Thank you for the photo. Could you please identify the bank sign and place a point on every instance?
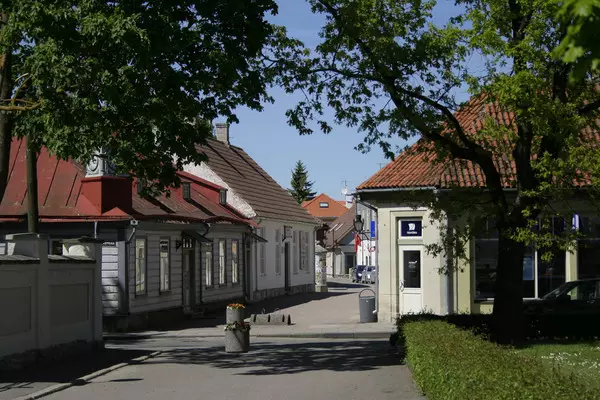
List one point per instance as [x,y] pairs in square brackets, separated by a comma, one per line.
[411,228]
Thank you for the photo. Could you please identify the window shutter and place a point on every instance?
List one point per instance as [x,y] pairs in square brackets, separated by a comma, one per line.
[295,250]
[262,259]
[277,251]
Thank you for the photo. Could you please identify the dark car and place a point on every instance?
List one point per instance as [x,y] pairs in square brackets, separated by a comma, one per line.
[358,273]
[575,297]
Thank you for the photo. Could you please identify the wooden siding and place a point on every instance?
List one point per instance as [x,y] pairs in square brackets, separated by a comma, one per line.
[110,279]
[153,299]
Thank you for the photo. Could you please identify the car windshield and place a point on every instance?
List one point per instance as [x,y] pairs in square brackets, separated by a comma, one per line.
[562,289]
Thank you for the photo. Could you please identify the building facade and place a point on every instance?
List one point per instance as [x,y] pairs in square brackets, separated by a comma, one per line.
[283,248]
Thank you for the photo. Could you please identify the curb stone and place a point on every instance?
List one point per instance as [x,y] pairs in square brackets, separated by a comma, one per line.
[84,379]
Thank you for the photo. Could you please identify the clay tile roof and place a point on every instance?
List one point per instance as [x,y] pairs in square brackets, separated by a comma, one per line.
[60,198]
[415,168]
[341,227]
[333,210]
[252,183]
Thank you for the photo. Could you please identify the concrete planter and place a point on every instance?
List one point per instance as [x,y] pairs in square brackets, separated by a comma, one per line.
[234,315]
[237,341]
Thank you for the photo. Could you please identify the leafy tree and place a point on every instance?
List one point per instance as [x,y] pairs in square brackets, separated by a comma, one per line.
[128,77]
[301,187]
[580,44]
[386,68]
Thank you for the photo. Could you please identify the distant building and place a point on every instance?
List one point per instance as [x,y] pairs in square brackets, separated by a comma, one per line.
[325,208]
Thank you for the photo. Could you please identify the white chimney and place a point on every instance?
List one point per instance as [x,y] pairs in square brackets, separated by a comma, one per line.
[222,132]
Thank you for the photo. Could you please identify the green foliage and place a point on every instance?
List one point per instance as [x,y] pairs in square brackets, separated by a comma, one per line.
[301,189]
[132,77]
[451,363]
[580,44]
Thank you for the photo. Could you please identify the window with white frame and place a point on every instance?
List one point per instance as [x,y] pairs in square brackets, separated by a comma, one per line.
[278,251]
[235,261]
[207,251]
[222,261]
[165,265]
[262,259]
[295,251]
[540,276]
[140,266]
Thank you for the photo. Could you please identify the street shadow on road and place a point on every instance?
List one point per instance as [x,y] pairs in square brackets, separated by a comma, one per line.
[44,373]
[281,359]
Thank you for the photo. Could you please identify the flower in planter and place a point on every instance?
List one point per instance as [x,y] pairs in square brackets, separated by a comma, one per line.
[235,306]
[244,326]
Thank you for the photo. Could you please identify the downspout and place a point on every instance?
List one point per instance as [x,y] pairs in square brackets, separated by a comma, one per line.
[256,258]
[127,256]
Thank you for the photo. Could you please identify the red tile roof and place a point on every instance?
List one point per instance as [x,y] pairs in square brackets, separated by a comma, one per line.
[266,197]
[334,210]
[61,199]
[415,167]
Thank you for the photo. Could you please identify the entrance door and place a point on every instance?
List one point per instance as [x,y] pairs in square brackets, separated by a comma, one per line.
[411,292]
[188,276]
[286,266]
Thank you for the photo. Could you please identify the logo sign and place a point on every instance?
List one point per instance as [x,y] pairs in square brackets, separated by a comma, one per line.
[373,229]
[411,228]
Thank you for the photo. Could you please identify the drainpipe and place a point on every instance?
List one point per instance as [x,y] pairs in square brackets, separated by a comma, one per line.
[125,306]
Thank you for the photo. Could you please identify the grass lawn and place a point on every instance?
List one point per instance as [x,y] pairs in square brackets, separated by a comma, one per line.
[582,359]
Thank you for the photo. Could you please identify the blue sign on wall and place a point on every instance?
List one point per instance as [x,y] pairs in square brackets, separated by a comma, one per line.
[373,229]
[412,228]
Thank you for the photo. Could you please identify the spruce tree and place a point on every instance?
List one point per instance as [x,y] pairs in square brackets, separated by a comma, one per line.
[302,188]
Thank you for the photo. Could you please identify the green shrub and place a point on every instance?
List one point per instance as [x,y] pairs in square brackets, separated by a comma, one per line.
[452,363]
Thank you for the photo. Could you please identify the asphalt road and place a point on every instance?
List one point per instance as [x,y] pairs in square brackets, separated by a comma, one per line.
[273,369]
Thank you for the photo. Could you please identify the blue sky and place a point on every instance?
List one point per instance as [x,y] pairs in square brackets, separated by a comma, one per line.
[276,147]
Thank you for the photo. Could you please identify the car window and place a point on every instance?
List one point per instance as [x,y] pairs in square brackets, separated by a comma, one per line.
[584,291]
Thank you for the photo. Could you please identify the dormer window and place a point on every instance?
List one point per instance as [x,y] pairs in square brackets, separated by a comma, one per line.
[324,204]
[223,196]
[186,191]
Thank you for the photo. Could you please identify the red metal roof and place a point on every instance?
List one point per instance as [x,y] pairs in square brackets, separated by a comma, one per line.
[415,167]
[61,199]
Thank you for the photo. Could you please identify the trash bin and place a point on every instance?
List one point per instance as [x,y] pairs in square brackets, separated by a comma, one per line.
[366,306]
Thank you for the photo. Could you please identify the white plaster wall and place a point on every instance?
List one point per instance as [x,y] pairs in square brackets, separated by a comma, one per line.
[434,285]
[270,279]
[233,199]
[48,303]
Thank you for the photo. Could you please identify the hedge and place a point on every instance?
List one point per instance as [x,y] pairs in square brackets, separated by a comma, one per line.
[451,363]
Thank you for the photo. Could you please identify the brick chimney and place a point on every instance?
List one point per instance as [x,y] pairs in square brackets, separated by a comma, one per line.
[222,132]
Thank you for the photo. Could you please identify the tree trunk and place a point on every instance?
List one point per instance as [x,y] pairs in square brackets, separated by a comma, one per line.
[32,187]
[508,320]
[5,117]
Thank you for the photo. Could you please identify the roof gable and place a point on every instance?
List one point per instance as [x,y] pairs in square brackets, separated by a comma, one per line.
[266,197]
[316,207]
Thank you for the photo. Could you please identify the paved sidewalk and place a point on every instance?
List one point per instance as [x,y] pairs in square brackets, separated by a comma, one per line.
[314,315]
